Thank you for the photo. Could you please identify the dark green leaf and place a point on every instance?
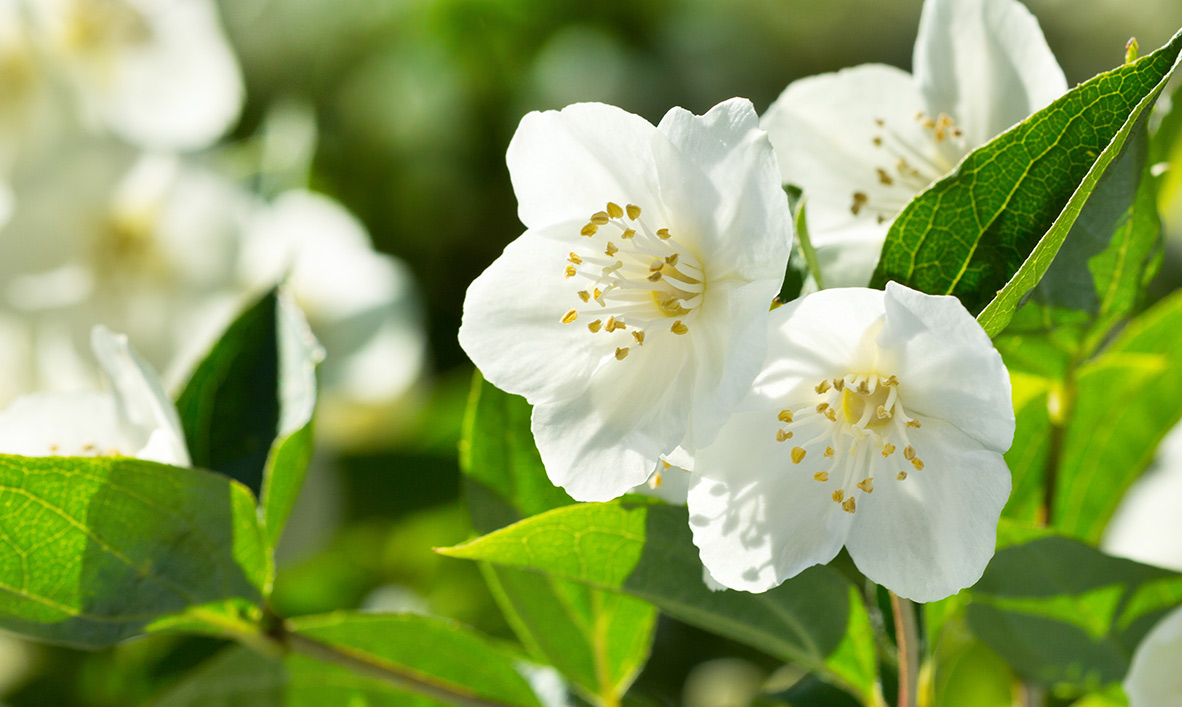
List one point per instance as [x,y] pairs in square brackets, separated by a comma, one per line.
[598,639]
[247,408]
[997,221]
[1062,612]
[815,619]
[431,651]
[100,549]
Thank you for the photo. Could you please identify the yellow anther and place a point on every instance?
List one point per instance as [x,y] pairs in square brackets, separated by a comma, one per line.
[883,413]
[797,455]
[595,326]
[917,463]
[829,452]
[639,336]
[611,249]
[877,141]
[893,380]
[850,505]
[888,449]
[628,234]
[831,414]
[614,210]
[666,464]
[822,407]
[883,177]
[672,259]
[656,480]
[866,485]
[864,386]
[838,495]
[822,386]
[633,211]
[596,294]
[860,201]
[785,416]
[585,295]
[599,218]
[783,435]
[663,234]
[839,384]
[574,258]
[821,476]
[879,122]
[589,230]
[679,328]
[570,317]
[570,272]
[654,277]
[902,475]
[610,325]
[914,423]
[621,353]
[909,452]
[656,265]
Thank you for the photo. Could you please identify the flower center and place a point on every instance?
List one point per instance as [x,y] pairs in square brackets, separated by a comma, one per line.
[859,423]
[634,279]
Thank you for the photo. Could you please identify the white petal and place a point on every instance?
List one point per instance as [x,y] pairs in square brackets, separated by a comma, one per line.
[63,424]
[668,483]
[757,518]
[146,411]
[512,330]
[985,63]
[1154,679]
[721,189]
[1146,526]
[823,129]
[949,369]
[850,255]
[566,165]
[931,535]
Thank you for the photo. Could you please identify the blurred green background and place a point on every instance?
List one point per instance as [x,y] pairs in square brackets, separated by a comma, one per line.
[415,102]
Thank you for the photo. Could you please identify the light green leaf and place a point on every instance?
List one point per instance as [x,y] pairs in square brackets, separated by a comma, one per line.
[420,650]
[101,549]
[600,640]
[247,408]
[1062,612]
[815,619]
[998,220]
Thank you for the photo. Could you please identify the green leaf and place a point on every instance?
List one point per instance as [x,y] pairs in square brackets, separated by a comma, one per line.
[247,408]
[101,549]
[645,549]
[429,651]
[996,222]
[600,640]
[1062,612]
[1126,400]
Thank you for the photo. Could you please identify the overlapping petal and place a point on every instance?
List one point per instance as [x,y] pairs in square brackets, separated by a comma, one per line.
[1154,679]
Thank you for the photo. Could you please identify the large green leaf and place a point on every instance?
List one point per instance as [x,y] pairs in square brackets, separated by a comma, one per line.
[598,639]
[1060,611]
[100,549]
[996,222]
[645,549]
[391,659]
[247,408]
[1125,402]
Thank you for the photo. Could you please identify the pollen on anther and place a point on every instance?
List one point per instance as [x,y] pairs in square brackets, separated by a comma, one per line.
[663,234]
[595,326]
[829,452]
[830,414]
[672,259]
[850,505]
[883,413]
[621,353]
[570,272]
[585,295]
[914,423]
[838,495]
[822,386]
[909,452]
[821,476]
[902,475]
[679,328]
[611,249]
[917,463]
[656,265]
[633,211]
[639,336]
[575,259]
[599,218]
[888,449]
[570,317]
[860,201]
[614,210]
[867,485]
[628,234]
[822,407]
[589,230]
[654,277]
[783,435]
[884,178]
[838,384]
[785,416]
[797,455]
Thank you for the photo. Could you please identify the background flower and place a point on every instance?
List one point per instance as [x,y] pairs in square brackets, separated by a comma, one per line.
[1154,679]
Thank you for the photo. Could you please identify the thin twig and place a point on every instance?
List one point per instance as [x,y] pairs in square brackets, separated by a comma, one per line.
[907,639]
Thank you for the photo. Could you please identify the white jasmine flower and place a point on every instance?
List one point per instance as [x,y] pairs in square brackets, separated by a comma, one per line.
[1145,526]
[1154,679]
[864,141]
[878,423]
[632,312]
[136,418]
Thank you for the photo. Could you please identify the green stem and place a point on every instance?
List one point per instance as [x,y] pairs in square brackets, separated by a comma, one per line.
[907,639]
[806,244]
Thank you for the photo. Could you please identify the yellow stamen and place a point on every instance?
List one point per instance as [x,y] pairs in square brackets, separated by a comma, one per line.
[785,416]
[829,452]
[821,476]
[595,326]
[621,353]
[866,485]
[570,272]
[589,230]
[614,210]
[663,234]
[654,277]
[633,211]
[656,265]
[570,317]
[628,234]
[672,259]
[611,249]
[574,258]
[850,505]
[783,435]
[838,495]
[902,475]
[679,328]
[797,455]
[822,386]
[599,218]
[639,336]
[888,449]
[585,295]
[917,463]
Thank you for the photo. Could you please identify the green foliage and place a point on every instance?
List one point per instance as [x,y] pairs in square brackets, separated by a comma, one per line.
[598,639]
[421,651]
[978,234]
[644,549]
[1062,612]
[101,549]
[247,408]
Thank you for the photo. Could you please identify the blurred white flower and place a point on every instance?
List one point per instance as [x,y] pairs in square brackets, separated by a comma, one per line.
[135,418]
[631,313]
[878,423]
[863,141]
[1146,526]
[1154,679]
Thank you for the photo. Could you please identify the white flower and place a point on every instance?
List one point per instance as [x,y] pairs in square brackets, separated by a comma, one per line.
[632,312]
[136,418]
[863,141]
[1154,679]
[878,423]
[1146,526]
